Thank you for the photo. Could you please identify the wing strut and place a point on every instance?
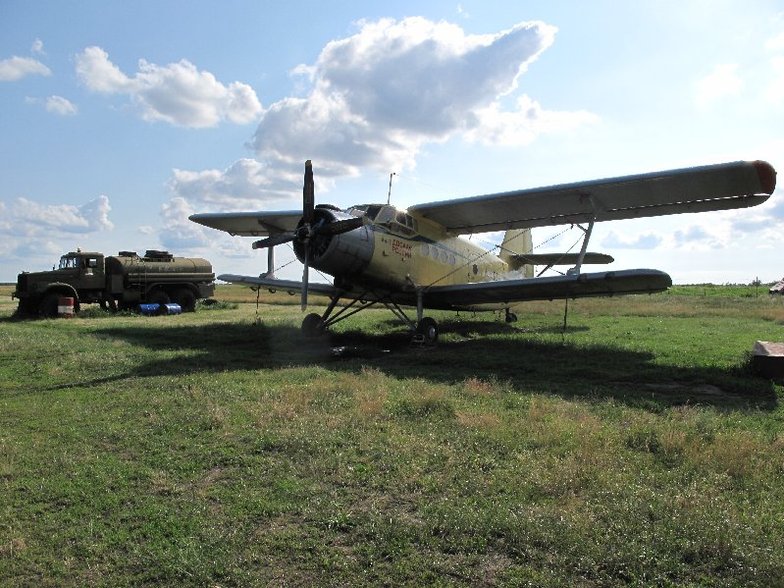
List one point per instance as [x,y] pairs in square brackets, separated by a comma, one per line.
[270,273]
[575,271]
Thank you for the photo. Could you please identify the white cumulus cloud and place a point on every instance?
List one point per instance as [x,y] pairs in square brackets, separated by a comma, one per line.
[177,93]
[245,184]
[522,125]
[380,94]
[372,100]
[15,68]
[61,106]
[27,217]
[178,232]
[24,222]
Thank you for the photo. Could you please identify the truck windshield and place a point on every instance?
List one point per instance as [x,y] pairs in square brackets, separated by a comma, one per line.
[69,262]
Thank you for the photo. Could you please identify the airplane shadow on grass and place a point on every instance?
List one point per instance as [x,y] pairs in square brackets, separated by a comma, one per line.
[479,349]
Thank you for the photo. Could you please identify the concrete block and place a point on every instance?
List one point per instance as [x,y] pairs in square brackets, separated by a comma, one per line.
[768,359]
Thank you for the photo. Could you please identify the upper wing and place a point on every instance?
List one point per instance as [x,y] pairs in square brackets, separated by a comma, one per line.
[697,189]
[639,281]
[253,224]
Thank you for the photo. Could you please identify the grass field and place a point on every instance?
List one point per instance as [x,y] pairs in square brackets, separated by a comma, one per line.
[635,447]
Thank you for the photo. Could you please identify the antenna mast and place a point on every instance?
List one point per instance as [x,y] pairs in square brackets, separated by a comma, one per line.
[389,193]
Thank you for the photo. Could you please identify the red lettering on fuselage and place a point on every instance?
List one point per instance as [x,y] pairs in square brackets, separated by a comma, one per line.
[401,248]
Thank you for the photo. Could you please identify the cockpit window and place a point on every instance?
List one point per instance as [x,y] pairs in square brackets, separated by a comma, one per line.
[386,215]
[368,210]
[397,220]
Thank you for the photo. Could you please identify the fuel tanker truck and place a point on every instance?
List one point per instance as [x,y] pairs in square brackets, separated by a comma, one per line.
[120,281]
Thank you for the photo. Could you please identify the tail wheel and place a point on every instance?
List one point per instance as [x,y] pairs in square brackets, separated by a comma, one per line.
[186,299]
[428,328]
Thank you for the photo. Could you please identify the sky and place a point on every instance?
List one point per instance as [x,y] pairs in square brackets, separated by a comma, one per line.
[120,119]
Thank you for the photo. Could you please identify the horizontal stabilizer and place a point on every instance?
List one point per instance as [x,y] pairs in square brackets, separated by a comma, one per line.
[551,259]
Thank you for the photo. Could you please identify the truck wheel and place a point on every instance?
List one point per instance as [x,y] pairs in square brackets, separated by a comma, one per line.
[158,297]
[186,299]
[48,306]
[26,307]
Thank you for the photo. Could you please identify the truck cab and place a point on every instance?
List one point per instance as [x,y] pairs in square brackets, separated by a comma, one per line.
[83,269]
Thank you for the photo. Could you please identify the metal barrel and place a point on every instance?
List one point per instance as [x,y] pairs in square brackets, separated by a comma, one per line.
[65,306]
[149,309]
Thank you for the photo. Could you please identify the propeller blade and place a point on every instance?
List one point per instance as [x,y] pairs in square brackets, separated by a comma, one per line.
[308,194]
[339,227]
[305,269]
[274,240]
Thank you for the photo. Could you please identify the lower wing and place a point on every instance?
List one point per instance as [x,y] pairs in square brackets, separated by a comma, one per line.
[499,292]
[615,283]
[274,284]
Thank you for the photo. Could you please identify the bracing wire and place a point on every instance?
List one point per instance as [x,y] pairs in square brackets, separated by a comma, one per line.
[500,247]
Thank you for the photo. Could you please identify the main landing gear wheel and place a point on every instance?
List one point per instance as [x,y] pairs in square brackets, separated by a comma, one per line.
[312,325]
[428,328]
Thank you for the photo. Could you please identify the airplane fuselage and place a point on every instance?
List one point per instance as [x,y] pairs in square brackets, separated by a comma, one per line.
[430,257]
[400,252]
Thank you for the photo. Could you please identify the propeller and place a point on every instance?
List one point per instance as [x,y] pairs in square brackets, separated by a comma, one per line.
[305,233]
[308,229]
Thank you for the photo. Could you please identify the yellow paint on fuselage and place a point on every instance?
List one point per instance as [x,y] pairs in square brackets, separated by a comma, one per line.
[429,256]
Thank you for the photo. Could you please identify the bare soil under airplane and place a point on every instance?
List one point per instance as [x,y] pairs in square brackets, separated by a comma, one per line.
[380,255]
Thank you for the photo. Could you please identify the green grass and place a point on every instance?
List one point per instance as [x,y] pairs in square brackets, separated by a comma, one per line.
[219,448]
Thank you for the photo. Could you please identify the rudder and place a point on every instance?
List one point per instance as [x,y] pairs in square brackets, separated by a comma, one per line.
[517,243]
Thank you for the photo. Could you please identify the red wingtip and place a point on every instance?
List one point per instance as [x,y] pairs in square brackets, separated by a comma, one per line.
[767,176]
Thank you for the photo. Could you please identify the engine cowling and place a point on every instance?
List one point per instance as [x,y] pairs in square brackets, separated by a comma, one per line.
[344,254]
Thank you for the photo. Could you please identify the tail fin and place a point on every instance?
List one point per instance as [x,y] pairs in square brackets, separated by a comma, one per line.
[517,242]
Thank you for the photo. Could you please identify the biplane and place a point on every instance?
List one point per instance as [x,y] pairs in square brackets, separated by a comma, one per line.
[420,258]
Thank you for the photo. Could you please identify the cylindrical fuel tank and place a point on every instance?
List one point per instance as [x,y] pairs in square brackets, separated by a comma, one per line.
[157,265]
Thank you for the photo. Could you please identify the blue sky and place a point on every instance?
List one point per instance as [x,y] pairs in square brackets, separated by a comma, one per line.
[121,118]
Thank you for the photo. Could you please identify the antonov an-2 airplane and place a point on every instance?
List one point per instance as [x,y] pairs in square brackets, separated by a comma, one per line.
[380,255]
